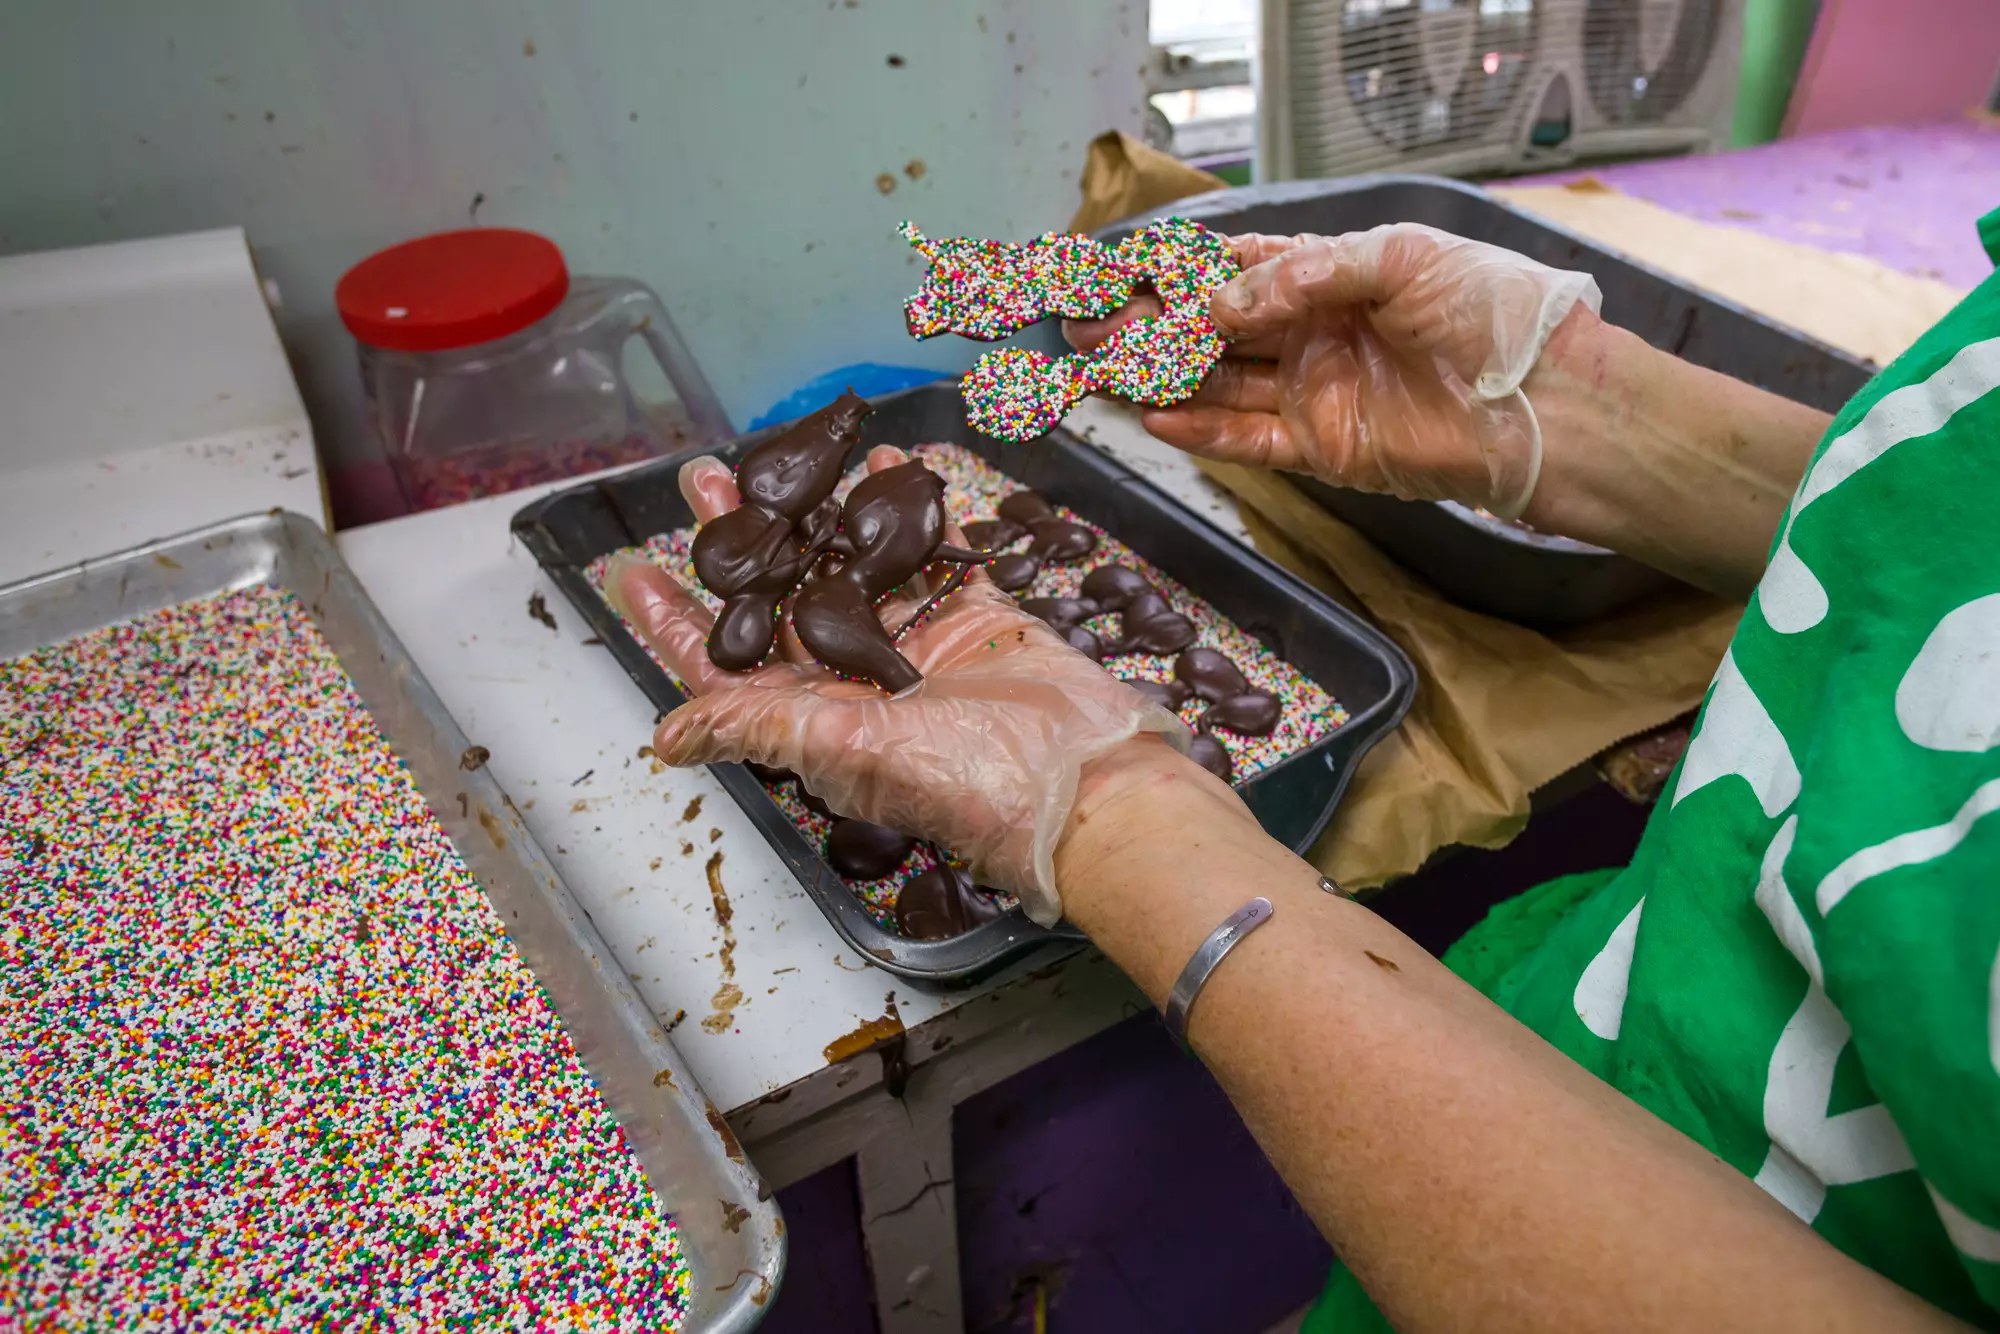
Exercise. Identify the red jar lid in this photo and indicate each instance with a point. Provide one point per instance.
(454, 289)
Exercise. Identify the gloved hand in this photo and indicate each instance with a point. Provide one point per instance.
(982, 756)
(1388, 360)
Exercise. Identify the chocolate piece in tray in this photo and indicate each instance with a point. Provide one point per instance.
(1148, 624)
(861, 850)
(1168, 695)
(942, 902)
(1112, 586)
(1213, 756)
(1252, 713)
(1059, 613)
(1013, 572)
(1059, 542)
(1027, 508)
(1084, 642)
(993, 534)
(1211, 675)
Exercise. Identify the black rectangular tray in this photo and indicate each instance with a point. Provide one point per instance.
(1293, 800)
(1479, 562)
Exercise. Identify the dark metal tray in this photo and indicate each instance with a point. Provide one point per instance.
(1293, 800)
(691, 1159)
(1484, 563)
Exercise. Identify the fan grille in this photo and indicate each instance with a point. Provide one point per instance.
(1422, 73)
(1375, 84)
(1643, 57)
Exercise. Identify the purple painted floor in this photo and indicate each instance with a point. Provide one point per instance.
(1906, 196)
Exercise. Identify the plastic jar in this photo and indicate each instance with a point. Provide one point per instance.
(486, 366)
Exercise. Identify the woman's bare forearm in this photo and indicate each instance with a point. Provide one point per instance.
(1679, 467)
(1469, 1174)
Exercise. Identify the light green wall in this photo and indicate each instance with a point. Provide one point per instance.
(726, 152)
(1775, 35)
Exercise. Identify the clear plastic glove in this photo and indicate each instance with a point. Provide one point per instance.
(1389, 360)
(982, 756)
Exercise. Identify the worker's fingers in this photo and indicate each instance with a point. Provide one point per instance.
(709, 488)
(1319, 275)
(1085, 335)
(774, 726)
(1254, 248)
(1253, 439)
(1241, 385)
(790, 647)
(667, 617)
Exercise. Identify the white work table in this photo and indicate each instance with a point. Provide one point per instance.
(146, 394)
(820, 1046)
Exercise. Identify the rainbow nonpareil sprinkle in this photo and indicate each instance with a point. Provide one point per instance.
(991, 289)
(267, 1057)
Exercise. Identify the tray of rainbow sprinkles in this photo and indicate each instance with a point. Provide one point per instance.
(301, 1029)
(1334, 685)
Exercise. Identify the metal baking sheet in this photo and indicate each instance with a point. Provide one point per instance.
(1293, 799)
(1478, 561)
(690, 1156)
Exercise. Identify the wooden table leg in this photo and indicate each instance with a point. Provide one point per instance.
(909, 1215)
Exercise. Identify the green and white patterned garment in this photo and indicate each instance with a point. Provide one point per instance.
(1798, 970)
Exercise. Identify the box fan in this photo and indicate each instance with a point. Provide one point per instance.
(1465, 87)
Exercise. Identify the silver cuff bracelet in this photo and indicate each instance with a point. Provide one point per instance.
(1195, 976)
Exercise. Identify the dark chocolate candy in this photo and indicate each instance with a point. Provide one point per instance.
(859, 850)
(1211, 675)
(893, 523)
(756, 554)
(1061, 613)
(1213, 756)
(1084, 642)
(1012, 572)
(993, 534)
(941, 903)
(891, 526)
(1027, 508)
(1112, 586)
(769, 774)
(1170, 695)
(1252, 713)
(1061, 541)
(1149, 624)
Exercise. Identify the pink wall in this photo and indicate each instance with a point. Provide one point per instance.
(1895, 62)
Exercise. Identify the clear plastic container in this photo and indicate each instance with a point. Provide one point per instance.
(487, 367)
